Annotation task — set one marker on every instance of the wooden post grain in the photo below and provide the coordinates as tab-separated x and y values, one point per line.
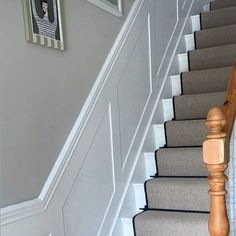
216	158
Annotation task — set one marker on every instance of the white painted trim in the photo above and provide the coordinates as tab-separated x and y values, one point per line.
109	7
26	209
159	133
139	192
127	224
150	165
175	85
20	211
195	23
206	8
168	110
189	42
183	62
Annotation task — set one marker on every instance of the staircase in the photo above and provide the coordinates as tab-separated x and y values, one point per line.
177	200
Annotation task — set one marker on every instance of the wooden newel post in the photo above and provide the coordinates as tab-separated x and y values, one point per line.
216	158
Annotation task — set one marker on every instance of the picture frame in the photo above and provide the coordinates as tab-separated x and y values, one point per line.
112	6
43	23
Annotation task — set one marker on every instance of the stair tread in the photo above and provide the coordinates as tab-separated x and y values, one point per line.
185	132
219	4
204	81
193	106
207	58
180	162
178	193
148	223
215	37
218	17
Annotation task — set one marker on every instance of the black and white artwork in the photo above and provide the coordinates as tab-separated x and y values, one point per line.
43	22
45	18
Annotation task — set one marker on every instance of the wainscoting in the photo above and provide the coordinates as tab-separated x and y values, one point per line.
88	184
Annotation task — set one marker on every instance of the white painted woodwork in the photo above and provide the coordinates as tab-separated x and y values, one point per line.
96	185
139	192
175	85
150	165
183	62
189	41
195	23
159	132
127	227
168	111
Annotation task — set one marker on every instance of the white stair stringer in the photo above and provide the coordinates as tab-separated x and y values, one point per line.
139	192
155	138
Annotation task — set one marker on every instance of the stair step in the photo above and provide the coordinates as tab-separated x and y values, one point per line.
190	194
150	222
215	37
219	17
195	106
218	4
185	133
214	57
205	81
180	162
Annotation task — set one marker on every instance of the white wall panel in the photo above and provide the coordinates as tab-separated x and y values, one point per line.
94	186
166	20
134	89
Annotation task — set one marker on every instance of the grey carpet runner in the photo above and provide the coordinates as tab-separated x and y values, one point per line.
177	200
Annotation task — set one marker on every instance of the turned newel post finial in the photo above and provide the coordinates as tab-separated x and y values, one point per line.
216	157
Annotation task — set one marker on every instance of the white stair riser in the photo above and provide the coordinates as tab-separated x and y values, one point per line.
139	196
189	42
168	110
150	164
159	133
206	8
127	224
195	20
183	62
175	85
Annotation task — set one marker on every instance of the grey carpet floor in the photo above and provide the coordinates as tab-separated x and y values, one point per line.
177	201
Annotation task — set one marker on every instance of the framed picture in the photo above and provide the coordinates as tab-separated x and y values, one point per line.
112	6
43	23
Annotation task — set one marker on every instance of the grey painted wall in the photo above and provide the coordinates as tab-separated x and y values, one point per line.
43	90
